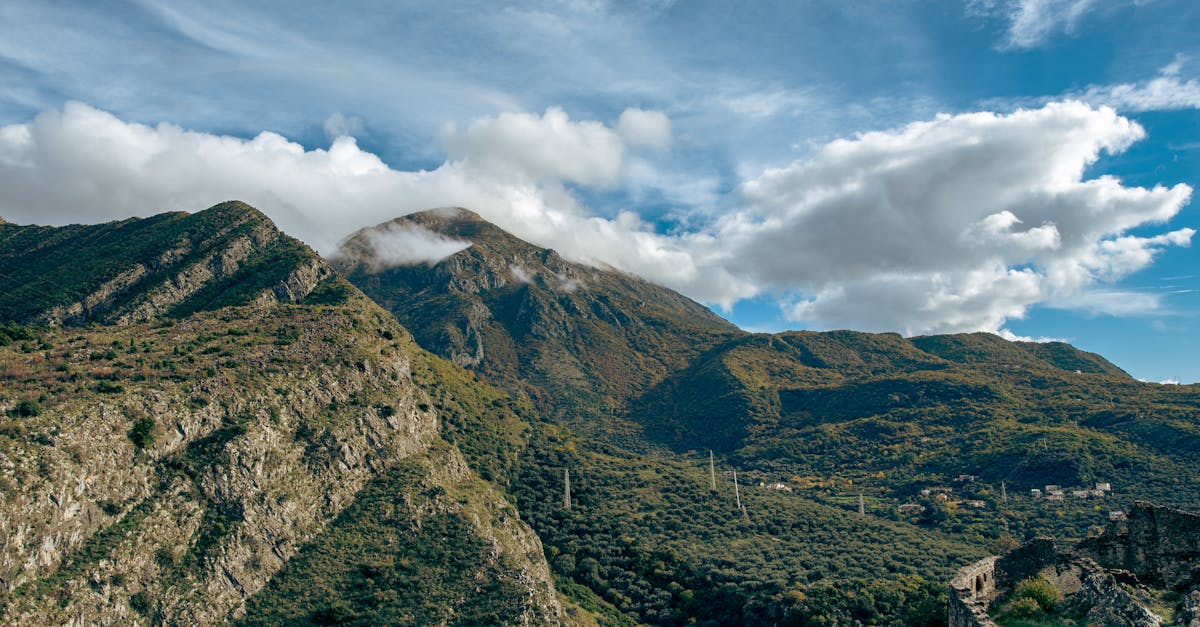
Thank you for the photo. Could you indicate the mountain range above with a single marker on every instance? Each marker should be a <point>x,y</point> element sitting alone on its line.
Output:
<point>205,421</point>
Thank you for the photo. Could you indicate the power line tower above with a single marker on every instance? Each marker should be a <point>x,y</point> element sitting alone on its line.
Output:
<point>737,495</point>
<point>712,470</point>
<point>567,489</point>
<point>1003,492</point>
<point>862,508</point>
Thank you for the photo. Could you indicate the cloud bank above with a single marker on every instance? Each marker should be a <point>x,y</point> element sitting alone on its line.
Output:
<point>958,223</point>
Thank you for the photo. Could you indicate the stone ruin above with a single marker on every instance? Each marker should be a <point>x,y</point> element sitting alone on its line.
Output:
<point>1155,547</point>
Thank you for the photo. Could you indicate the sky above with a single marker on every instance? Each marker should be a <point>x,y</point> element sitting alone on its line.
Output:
<point>1021,167</point>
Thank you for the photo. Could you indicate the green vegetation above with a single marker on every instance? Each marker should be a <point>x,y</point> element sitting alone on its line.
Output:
<point>142,433</point>
<point>412,560</point>
<point>1033,602</point>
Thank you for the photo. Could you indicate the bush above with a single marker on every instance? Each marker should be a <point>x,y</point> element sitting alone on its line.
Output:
<point>1039,591</point>
<point>26,409</point>
<point>142,433</point>
<point>108,387</point>
<point>1024,607</point>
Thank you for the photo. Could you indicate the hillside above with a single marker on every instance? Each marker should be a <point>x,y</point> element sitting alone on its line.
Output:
<point>528,320</point>
<point>813,422</point>
<point>174,466</point>
<point>892,415</point>
<point>139,269</point>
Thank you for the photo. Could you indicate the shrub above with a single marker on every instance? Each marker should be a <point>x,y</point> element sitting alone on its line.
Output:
<point>1024,607</point>
<point>108,387</point>
<point>142,433</point>
<point>1040,591</point>
<point>26,409</point>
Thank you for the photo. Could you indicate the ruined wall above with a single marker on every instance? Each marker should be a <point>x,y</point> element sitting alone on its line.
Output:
<point>971,592</point>
<point>1025,561</point>
<point>1158,544</point>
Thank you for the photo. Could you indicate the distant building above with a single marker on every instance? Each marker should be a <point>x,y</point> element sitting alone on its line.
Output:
<point>941,497</point>
<point>1054,496</point>
<point>1104,486</point>
<point>1036,494</point>
<point>1116,515</point>
<point>1097,493</point>
<point>911,508</point>
<point>782,487</point>
<point>966,478</point>
<point>1081,494</point>
<point>976,504</point>
<point>1053,488</point>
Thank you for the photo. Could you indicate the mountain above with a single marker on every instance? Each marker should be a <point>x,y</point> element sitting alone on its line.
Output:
<point>817,424</point>
<point>202,421</point>
<point>238,425</point>
<point>527,319</point>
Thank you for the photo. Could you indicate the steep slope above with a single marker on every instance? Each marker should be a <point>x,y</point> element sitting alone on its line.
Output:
<point>168,470</point>
<point>139,269</point>
<point>570,336</point>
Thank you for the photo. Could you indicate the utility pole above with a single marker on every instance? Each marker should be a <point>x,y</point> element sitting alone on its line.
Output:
<point>862,508</point>
<point>1003,492</point>
<point>567,489</point>
<point>712,470</point>
<point>737,495</point>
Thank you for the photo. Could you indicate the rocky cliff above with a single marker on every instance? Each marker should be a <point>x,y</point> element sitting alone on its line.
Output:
<point>168,470</point>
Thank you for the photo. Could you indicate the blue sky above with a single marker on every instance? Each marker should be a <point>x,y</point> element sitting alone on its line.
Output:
<point>1014,166</point>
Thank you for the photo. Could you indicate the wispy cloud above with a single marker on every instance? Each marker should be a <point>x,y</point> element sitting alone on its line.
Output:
<point>1032,22</point>
<point>1165,92</point>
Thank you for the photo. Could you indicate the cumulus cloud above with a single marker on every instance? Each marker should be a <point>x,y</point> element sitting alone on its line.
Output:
<point>955,224</point>
<point>959,223</point>
<point>80,164</point>
<point>407,245</point>
<point>543,148</point>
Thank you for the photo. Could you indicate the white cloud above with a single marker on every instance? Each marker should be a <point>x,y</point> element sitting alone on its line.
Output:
<point>546,148</point>
<point>338,125</point>
<point>407,245</point>
<point>1165,92</point>
<point>639,127</point>
<point>959,223</point>
<point>81,164</point>
<point>956,224</point>
<point>1032,22</point>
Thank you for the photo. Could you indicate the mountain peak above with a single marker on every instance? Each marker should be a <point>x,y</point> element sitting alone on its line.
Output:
<point>463,224</point>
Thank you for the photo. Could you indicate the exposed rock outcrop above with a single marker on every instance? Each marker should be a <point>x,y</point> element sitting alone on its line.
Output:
<point>1105,578</point>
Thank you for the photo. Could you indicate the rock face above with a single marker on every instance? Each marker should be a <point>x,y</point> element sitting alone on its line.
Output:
<point>1103,578</point>
<point>165,472</point>
<point>1158,544</point>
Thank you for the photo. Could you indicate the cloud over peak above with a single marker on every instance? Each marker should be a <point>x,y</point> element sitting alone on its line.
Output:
<point>957,223</point>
